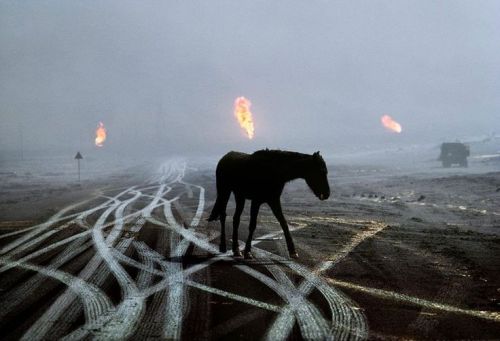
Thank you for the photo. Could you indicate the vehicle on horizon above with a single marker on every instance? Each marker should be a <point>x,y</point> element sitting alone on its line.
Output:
<point>454,153</point>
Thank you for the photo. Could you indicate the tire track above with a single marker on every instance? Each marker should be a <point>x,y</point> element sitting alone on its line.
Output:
<point>346,320</point>
<point>132,317</point>
<point>31,290</point>
<point>48,320</point>
<point>95,302</point>
<point>130,311</point>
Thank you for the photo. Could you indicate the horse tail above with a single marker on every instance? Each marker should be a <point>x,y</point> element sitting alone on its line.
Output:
<point>223,187</point>
<point>221,201</point>
<point>216,211</point>
<point>223,191</point>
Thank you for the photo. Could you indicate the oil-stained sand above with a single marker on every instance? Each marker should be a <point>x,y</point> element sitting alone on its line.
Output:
<point>390,255</point>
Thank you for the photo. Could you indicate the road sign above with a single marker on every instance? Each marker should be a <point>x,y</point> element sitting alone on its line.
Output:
<point>78,157</point>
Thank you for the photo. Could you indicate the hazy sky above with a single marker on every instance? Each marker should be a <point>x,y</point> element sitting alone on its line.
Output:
<point>163,75</point>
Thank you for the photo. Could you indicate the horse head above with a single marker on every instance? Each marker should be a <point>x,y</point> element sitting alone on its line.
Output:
<point>316,177</point>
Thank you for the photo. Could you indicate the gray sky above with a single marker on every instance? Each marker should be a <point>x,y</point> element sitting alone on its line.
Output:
<point>163,75</point>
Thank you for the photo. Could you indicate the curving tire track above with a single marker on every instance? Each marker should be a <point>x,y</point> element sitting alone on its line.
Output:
<point>118,221</point>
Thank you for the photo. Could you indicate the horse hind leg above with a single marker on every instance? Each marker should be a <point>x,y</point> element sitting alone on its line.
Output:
<point>240,204</point>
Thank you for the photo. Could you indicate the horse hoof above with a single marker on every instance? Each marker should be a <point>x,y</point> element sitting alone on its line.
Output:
<point>237,253</point>
<point>222,249</point>
<point>294,255</point>
<point>248,255</point>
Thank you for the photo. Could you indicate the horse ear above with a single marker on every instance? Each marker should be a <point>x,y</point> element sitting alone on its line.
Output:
<point>316,154</point>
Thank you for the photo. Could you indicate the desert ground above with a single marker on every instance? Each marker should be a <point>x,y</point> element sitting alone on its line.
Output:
<point>401,250</point>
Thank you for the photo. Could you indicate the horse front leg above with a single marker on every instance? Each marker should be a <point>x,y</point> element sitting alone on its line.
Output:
<point>240,204</point>
<point>254,211</point>
<point>278,213</point>
<point>222,245</point>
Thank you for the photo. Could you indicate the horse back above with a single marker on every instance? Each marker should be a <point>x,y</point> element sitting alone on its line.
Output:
<point>245,174</point>
<point>232,164</point>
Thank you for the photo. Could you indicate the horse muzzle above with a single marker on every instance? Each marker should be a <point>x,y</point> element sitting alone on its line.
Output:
<point>324,196</point>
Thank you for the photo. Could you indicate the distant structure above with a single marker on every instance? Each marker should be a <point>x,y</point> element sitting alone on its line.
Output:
<point>454,153</point>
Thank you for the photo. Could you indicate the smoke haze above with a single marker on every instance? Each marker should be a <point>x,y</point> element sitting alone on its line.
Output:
<point>163,75</point>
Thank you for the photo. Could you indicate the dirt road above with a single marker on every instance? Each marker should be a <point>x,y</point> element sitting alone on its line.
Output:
<point>386,257</point>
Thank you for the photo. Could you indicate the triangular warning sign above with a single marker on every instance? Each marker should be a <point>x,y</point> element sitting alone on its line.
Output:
<point>78,156</point>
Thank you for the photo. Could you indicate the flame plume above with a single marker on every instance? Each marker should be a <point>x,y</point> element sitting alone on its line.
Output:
<point>390,124</point>
<point>244,115</point>
<point>100,135</point>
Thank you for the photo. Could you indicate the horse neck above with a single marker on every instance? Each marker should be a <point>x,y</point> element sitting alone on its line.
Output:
<point>296,169</point>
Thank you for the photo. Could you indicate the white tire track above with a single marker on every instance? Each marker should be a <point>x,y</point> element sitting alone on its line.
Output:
<point>103,321</point>
<point>47,321</point>
<point>95,302</point>
<point>124,321</point>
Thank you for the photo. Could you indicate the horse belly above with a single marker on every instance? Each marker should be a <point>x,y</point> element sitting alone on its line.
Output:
<point>259,192</point>
<point>248,179</point>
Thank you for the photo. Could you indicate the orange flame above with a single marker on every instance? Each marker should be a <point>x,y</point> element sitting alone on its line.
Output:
<point>244,115</point>
<point>390,124</point>
<point>100,135</point>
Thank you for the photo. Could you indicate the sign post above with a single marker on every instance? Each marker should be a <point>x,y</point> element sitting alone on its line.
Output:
<point>78,157</point>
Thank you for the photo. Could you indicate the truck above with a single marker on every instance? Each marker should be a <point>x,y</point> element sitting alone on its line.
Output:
<point>454,153</point>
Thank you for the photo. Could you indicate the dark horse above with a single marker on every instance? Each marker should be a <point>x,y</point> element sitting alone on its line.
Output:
<point>261,177</point>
